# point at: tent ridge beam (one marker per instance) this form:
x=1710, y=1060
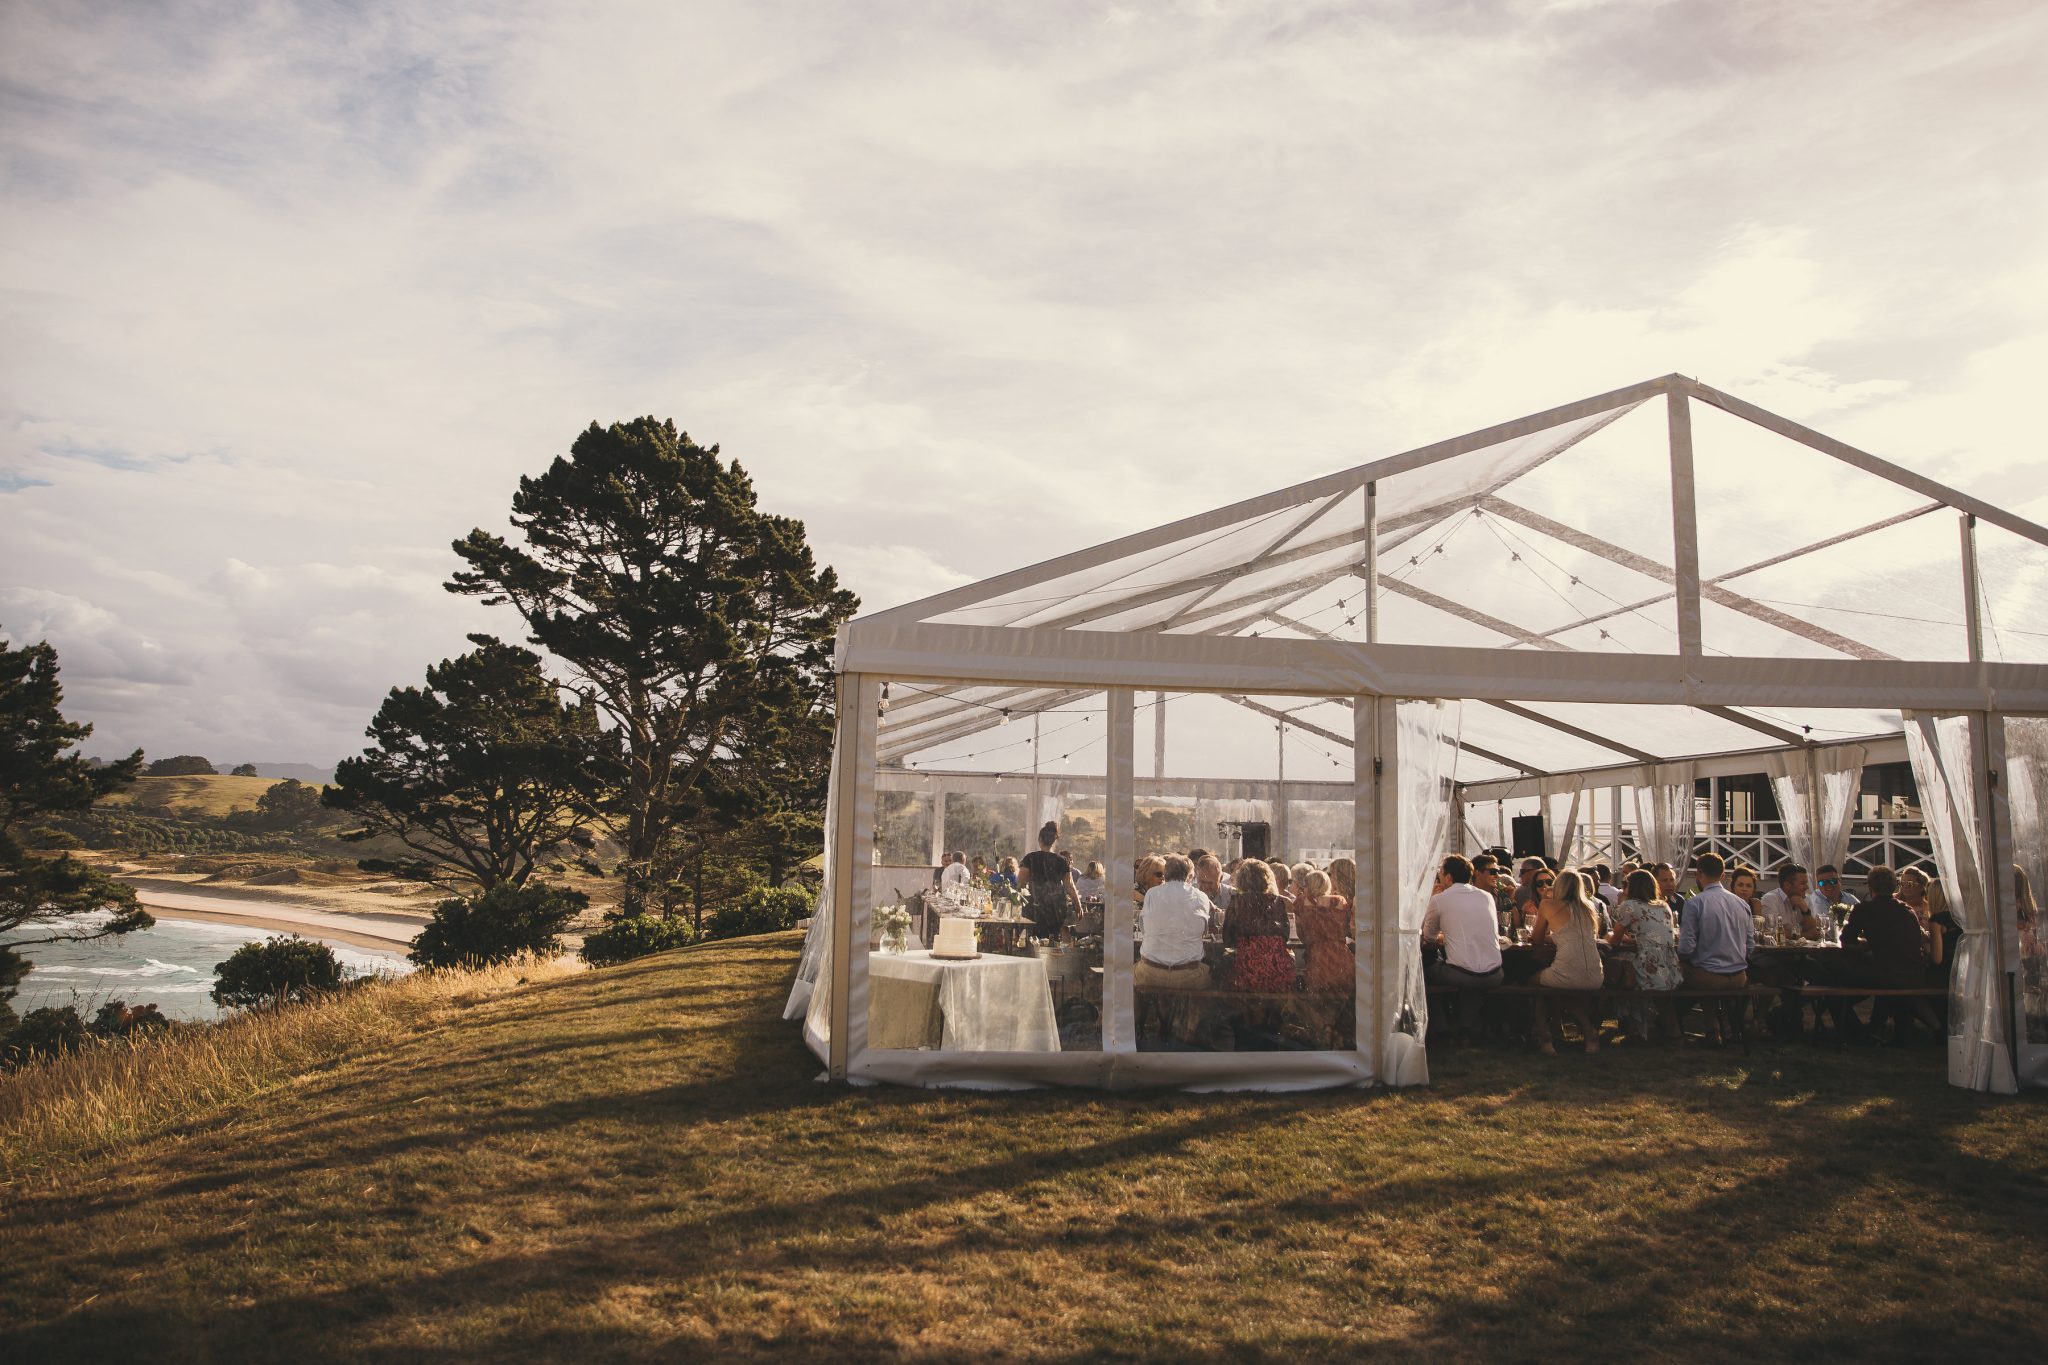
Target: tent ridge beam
x=1421, y=457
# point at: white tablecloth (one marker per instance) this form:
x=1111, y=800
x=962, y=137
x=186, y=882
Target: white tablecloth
x=985, y=1004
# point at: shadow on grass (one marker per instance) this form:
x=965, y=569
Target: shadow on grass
x=638, y=1163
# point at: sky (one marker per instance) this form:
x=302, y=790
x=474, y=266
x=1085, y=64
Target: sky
x=292, y=294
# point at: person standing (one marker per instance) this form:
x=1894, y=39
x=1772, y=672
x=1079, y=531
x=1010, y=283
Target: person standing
x=1462, y=920
x=1049, y=890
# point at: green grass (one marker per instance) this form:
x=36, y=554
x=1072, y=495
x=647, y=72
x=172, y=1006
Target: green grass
x=639, y=1163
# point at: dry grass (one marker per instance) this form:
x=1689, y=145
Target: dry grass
x=61, y=1112
x=638, y=1163
x=215, y=795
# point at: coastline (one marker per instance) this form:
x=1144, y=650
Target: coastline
x=250, y=909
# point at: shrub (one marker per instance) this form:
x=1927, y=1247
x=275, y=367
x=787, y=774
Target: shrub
x=622, y=939
x=763, y=910
x=502, y=923
x=45, y=1032
x=184, y=765
x=117, y=1020
x=276, y=969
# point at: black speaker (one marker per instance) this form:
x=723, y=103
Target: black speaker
x=1529, y=840
x=1256, y=835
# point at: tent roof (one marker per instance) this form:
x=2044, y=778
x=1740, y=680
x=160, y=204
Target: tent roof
x=1577, y=531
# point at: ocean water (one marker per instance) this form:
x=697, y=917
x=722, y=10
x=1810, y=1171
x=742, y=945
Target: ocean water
x=170, y=965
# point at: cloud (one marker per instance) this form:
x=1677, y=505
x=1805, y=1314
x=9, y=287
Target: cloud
x=295, y=294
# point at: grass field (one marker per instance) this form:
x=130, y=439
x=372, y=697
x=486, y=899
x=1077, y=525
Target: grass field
x=213, y=796
x=639, y=1163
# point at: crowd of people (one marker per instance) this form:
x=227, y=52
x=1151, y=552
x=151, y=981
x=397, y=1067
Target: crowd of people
x=1288, y=928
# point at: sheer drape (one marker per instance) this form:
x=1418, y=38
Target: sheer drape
x=1818, y=783
x=1425, y=788
x=2026, y=793
x=1943, y=768
x=1664, y=814
x=817, y=941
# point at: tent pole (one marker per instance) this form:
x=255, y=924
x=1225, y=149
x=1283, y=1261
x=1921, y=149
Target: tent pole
x=938, y=822
x=1372, y=561
x=1973, y=621
x=1120, y=814
x=1158, y=736
x=1685, y=532
x=1280, y=794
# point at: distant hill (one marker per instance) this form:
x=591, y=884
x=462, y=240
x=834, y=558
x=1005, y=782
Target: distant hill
x=214, y=796
x=311, y=773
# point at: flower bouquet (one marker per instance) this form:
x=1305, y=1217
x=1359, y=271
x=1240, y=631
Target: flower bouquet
x=893, y=921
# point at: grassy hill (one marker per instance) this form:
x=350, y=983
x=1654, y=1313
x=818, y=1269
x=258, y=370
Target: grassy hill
x=213, y=795
x=638, y=1163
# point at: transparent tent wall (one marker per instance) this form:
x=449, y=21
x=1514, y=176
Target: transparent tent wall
x=1234, y=953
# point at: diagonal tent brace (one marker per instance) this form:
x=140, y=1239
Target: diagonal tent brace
x=1310, y=727
x=1757, y=567
x=1650, y=568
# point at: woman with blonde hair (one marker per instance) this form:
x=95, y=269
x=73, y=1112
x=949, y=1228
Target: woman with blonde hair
x=1565, y=917
x=1283, y=877
x=1344, y=880
x=1255, y=929
x=1324, y=922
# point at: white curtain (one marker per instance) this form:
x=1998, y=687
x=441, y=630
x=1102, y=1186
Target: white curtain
x=1664, y=814
x=1425, y=788
x=2025, y=789
x=1818, y=782
x=1944, y=769
x=818, y=939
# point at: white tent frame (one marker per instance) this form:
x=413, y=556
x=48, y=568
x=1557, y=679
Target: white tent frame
x=1194, y=648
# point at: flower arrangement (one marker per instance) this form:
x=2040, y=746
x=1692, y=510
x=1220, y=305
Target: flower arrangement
x=893, y=921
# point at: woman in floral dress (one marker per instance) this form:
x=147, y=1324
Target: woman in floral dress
x=1645, y=935
x=1255, y=927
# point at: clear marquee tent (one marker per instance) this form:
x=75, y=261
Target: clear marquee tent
x=1601, y=603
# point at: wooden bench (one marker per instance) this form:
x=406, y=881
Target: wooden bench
x=1816, y=993
x=1750, y=996
x=1209, y=996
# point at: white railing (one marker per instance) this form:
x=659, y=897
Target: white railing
x=1763, y=844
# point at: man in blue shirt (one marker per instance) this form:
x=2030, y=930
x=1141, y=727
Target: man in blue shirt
x=1715, y=932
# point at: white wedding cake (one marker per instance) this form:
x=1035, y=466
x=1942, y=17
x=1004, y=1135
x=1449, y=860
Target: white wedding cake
x=956, y=938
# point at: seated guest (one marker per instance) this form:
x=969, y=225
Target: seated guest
x=1567, y=919
x=1828, y=890
x=1603, y=882
x=1486, y=876
x=1667, y=888
x=1888, y=943
x=1149, y=872
x=1716, y=935
x=1090, y=883
x=1006, y=873
x=956, y=872
x=1741, y=881
x=1344, y=880
x=980, y=868
x=1324, y=921
x=1645, y=937
x=1789, y=909
x=1209, y=881
x=1176, y=917
x=1283, y=879
x=1462, y=919
x=1256, y=929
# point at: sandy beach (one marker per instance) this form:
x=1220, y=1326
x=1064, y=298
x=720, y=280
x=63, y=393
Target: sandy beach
x=380, y=930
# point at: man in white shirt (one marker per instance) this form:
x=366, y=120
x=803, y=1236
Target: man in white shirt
x=955, y=872
x=1790, y=910
x=1176, y=916
x=1461, y=921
